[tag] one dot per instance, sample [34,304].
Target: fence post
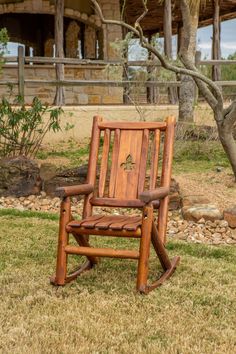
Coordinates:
[21,74]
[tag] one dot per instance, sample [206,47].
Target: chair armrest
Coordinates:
[74,190]
[154,194]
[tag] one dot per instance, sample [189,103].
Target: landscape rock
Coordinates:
[175,201]
[201,211]
[191,200]
[47,171]
[19,176]
[233,234]
[68,177]
[230,216]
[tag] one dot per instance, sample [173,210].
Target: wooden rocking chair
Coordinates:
[135,145]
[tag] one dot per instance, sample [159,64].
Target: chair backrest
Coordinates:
[126,160]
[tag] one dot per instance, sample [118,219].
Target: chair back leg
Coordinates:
[160,249]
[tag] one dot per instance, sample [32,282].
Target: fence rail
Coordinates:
[75,61]
[21,61]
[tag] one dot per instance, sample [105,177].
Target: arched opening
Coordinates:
[36,33]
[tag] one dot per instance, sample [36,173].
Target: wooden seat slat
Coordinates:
[105,223]
[134,224]
[121,225]
[77,223]
[113,222]
[89,223]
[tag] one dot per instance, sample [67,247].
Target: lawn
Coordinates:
[189,156]
[194,312]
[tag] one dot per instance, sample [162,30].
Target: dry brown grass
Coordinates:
[100,313]
[219,188]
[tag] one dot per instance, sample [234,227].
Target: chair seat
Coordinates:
[114,222]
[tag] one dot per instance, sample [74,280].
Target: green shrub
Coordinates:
[23,129]
[3,43]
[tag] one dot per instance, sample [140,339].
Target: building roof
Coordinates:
[153,21]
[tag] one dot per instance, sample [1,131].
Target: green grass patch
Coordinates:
[75,156]
[28,214]
[201,251]
[193,312]
[198,156]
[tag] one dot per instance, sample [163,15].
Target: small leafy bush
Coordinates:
[23,129]
[3,44]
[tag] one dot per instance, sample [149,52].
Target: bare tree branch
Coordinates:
[137,30]
[139,19]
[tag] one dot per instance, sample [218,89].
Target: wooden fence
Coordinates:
[22,60]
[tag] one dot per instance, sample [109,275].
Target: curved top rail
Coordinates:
[132,125]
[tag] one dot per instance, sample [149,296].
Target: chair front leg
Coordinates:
[65,216]
[144,250]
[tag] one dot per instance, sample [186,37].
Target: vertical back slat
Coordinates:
[114,166]
[92,165]
[104,163]
[143,162]
[128,167]
[168,152]
[154,159]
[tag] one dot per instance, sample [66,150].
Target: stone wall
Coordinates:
[94,30]
[80,95]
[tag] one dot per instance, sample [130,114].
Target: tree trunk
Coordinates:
[225,125]
[187,52]
[186,99]
[59,26]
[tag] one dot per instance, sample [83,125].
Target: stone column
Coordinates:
[90,42]
[100,39]
[72,37]
[111,10]
[111,51]
[48,47]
